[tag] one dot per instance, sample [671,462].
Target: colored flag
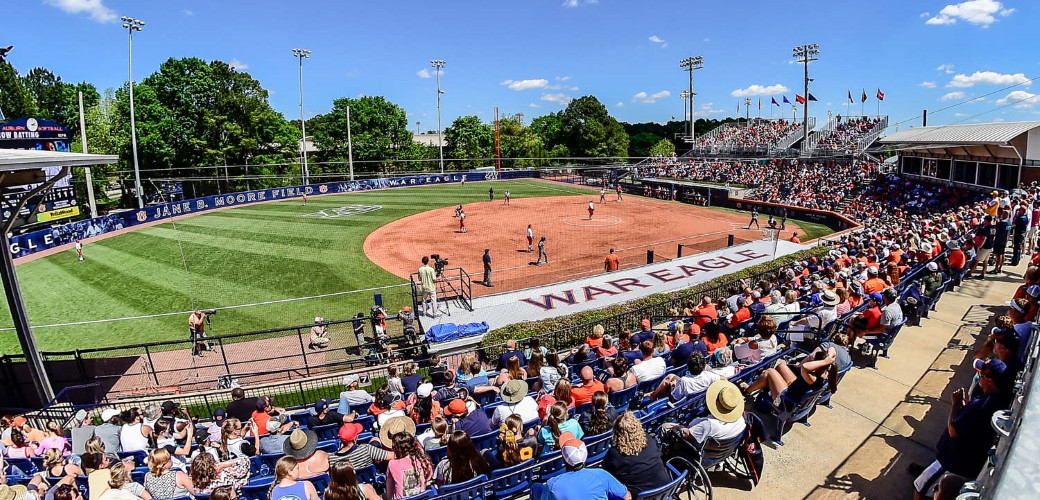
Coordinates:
[880,95]
[799,99]
[760,102]
[850,96]
[738,108]
[812,97]
[786,101]
[774,101]
[863,98]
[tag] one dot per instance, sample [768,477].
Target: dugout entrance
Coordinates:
[454,289]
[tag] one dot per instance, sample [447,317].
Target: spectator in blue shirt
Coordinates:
[579,483]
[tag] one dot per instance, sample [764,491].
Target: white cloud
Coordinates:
[960,115]
[189,13]
[925,14]
[96,8]
[760,90]
[645,98]
[536,83]
[238,65]
[533,105]
[558,86]
[563,78]
[424,73]
[561,99]
[619,104]
[979,12]
[946,68]
[1020,98]
[706,40]
[952,95]
[657,39]
[928,85]
[987,77]
[709,109]
[575,3]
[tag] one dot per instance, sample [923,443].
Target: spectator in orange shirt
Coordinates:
[705,312]
[596,339]
[957,258]
[713,338]
[743,314]
[873,283]
[589,385]
[611,263]
[794,238]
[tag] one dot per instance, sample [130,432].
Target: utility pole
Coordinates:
[690,64]
[350,146]
[131,25]
[438,65]
[86,170]
[806,54]
[302,54]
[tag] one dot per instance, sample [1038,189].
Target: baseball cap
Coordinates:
[990,367]
[320,406]
[106,414]
[169,406]
[349,380]
[573,449]
[318,319]
[219,415]
[876,297]
[262,403]
[349,432]
[456,407]
[424,390]
[1014,305]
[872,270]
[932,266]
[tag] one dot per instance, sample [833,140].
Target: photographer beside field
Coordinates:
[319,334]
[197,326]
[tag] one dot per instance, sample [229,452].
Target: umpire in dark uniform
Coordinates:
[487,267]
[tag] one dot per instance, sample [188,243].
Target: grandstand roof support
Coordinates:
[806,54]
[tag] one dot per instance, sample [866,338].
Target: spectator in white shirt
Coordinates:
[650,367]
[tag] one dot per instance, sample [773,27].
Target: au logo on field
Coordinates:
[347,211]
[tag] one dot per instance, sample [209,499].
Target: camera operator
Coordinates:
[197,326]
[407,319]
[427,279]
[319,334]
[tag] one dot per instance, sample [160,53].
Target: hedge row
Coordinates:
[571,330]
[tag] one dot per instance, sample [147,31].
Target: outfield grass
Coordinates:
[811,230]
[242,255]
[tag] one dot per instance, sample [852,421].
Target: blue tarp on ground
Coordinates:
[447,332]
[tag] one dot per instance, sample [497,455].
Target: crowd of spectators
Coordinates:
[848,132]
[757,133]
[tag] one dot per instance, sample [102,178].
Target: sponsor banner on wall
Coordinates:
[36,241]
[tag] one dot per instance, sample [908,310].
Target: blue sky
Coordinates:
[531,56]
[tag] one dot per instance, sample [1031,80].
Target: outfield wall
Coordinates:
[36,241]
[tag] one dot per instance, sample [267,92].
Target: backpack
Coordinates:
[750,450]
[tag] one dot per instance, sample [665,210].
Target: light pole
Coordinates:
[805,54]
[438,64]
[690,64]
[747,112]
[131,26]
[302,54]
[417,127]
[685,111]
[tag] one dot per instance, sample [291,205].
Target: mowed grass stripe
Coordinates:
[241,255]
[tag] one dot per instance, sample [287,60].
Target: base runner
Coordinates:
[462,222]
[530,239]
[617,187]
[602,195]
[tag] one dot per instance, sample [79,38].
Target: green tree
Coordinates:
[15,99]
[639,144]
[469,138]
[589,131]
[549,129]
[518,141]
[664,147]
[378,128]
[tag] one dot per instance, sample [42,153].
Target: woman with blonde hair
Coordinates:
[660,346]
[562,393]
[285,485]
[635,459]
[55,440]
[161,481]
[57,466]
[122,487]
[513,446]
[595,339]
[232,439]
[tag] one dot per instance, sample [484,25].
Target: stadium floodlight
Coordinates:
[131,25]
[438,65]
[747,112]
[685,94]
[690,64]
[806,54]
[302,54]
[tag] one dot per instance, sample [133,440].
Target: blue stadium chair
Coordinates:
[327,432]
[84,486]
[140,457]
[257,468]
[366,437]
[648,386]
[531,424]
[421,496]
[367,422]
[13,479]
[182,498]
[623,398]
[487,441]
[880,343]
[22,464]
[789,411]
[321,483]
[597,447]
[268,460]
[200,496]
[329,446]
[370,475]
[361,409]
[512,482]
[301,417]
[256,491]
[137,475]
[550,465]
[666,491]
[534,383]
[38,463]
[421,428]
[474,489]
[437,454]
[489,410]
[485,398]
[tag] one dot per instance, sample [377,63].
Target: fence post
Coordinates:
[155,375]
[79,365]
[223,355]
[678,251]
[729,241]
[650,254]
[303,352]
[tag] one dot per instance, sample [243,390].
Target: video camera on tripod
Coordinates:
[438,264]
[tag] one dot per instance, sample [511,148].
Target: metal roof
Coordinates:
[26,159]
[985,133]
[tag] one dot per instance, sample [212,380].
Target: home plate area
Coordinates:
[345,211]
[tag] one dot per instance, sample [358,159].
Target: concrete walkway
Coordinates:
[884,419]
